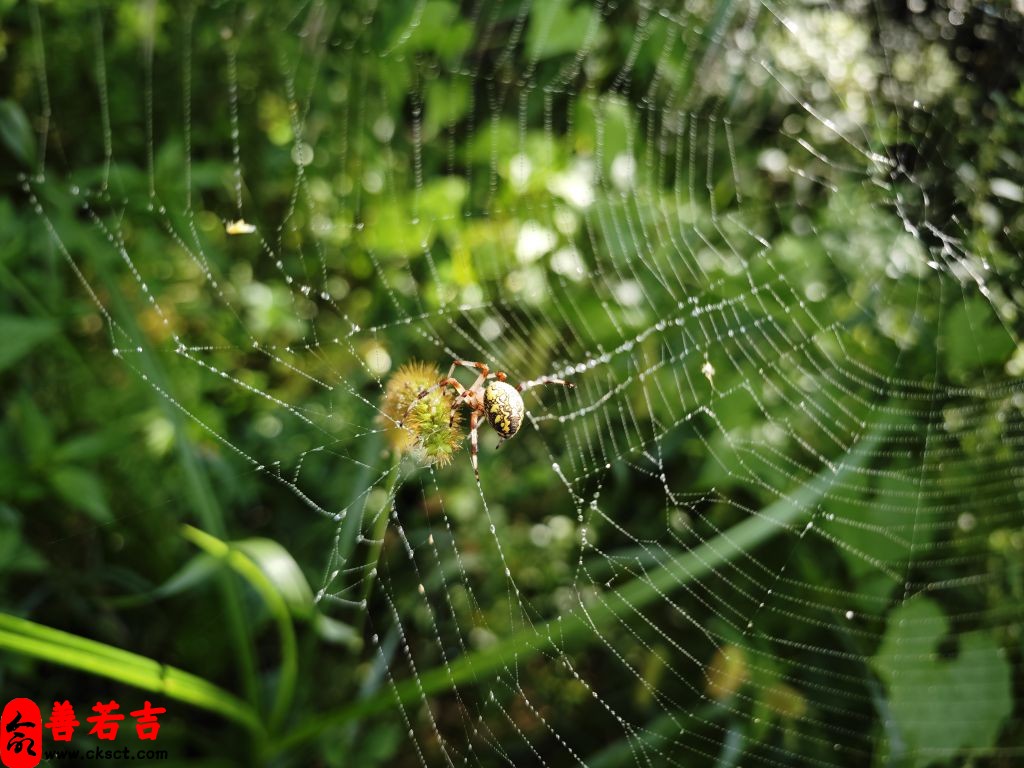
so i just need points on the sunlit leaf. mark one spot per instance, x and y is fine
(942, 704)
(280, 567)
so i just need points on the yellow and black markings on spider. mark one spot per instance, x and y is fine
(504, 408)
(422, 415)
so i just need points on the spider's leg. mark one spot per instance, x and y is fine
(460, 391)
(444, 380)
(473, 449)
(523, 386)
(447, 381)
(459, 399)
(484, 373)
(482, 367)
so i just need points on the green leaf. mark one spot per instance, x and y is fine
(446, 102)
(196, 571)
(88, 446)
(975, 337)
(656, 734)
(392, 233)
(20, 335)
(192, 574)
(268, 588)
(284, 573)
(16, 132)
(435, 26)
(16, 556)
(336, 632)
(875, 538)
(443, 198)
(555, 28)
(52, 645)
(940, 705)
(82, 490)
(35, 431)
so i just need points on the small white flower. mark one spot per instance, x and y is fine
(709, 371)
(239, 227)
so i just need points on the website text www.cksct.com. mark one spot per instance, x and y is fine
(105, 753)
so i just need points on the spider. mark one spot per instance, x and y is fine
(499, 402)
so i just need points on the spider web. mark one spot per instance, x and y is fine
(790, 466)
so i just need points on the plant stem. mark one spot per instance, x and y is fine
(380, 530)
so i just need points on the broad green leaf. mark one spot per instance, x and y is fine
(502, 135)
(435, 26)
(193, 573)
(376, 749)
(975, 338)
(27, 560)
(873, 537)
(16, 132)
(606, 123)
(876, 530)
(442, 199)
(390, 231)
(83, 490)
(942, 705)
(446, 102)
(556, 28)
(20, 335)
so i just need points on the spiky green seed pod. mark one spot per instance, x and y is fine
(424, 431)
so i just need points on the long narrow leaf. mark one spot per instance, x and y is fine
(243, 564)
(58, 647)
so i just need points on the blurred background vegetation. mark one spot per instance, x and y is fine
(431, 179)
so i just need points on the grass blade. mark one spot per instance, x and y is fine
(58, 647)
(242, 564)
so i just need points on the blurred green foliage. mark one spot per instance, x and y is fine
(125, 519)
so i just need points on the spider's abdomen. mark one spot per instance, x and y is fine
(504, 408)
